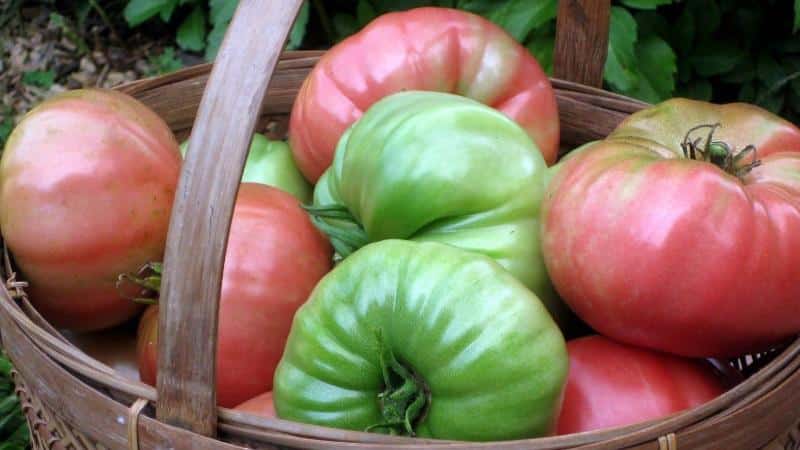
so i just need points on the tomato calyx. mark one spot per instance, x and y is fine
(147, 279)
(718, 153)
(406, 398)
(336, 221)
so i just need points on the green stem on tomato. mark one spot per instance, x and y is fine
(345, 233)
(148, 278)
(406, 398)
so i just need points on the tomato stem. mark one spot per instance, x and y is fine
(718, 153)
(345, 233)
(406, 397)
(148, 278)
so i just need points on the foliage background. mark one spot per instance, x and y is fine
(720, 50)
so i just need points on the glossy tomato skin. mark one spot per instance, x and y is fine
(612, 384)
(429, 48)
(274, 258)
(660, 251)
(260, 405)
(87, 181)
(270, 162)
(493, 360)
(431, 166)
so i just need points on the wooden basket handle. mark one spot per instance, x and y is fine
(209, 183)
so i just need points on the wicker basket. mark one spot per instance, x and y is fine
(74, 401)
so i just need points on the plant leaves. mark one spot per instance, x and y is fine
(41, 78)
(707, 16)
(715, 57)
(138, 11)
(747, 93)
(796, 16)
(620, 69)
(742, 73)
(651, 22)
(365, 12)
(214, 40)
(168, 9)
(520, 17)
(344, 25)
(769, 71)
(697, 89)
(645, 4)
(541, 47)
(221, 11)
(192, 32)
(657, 68)
(299, 28)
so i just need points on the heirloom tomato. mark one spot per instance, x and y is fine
(430, 166)
(612, 384)
(680, 231)
(270, 162)
(87, 180)
(274, 258)
(260, 405)
(423, 339)
(428, 48)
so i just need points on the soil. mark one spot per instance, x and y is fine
(44, 51)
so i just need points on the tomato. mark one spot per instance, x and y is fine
(692, 256)
(87, 180)
(612, 384)
(431, 166)
(274, 258)
(423, 339)
(260, 405)
(429, 48)
(270, 162)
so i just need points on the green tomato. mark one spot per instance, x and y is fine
(430, 166)
(423, 339)
(270, 162)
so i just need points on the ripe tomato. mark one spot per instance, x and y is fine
(433, 49)
(612, 384)
(87, 181)
(260, 405)
(274, 258)
(692, 252)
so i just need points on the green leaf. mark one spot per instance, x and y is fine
(166, 62)
(620, 69)
(541, 47)
(796, 16)
(5, 130)
(365, 12)
(344, 25)
(192, 32)
(715, 57)
(742, 73)
(684, 32)
(169, 8)
(221, 11)
(651, 22)
(747, 93)
(82, 12)
(645, 4)
(769, 99)
(214, 40)
(769, 71)
(657, 68)
(299, 28)
(41, 78)
(697, 89)
(707, 16)
(138, 11)
(520, 17)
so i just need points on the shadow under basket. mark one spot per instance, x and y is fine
(73, 401)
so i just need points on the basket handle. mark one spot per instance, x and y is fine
(209, 182)
(202, 210)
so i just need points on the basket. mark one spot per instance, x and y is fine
(73, 401)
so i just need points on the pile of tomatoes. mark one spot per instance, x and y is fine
(415, 259)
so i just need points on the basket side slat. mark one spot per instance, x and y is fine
(203, 208)
(581, 40)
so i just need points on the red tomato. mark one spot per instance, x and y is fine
(612, 384)
(87, 181)
(434, 49)
(657, 249)
(274, 258)
(260, 405)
